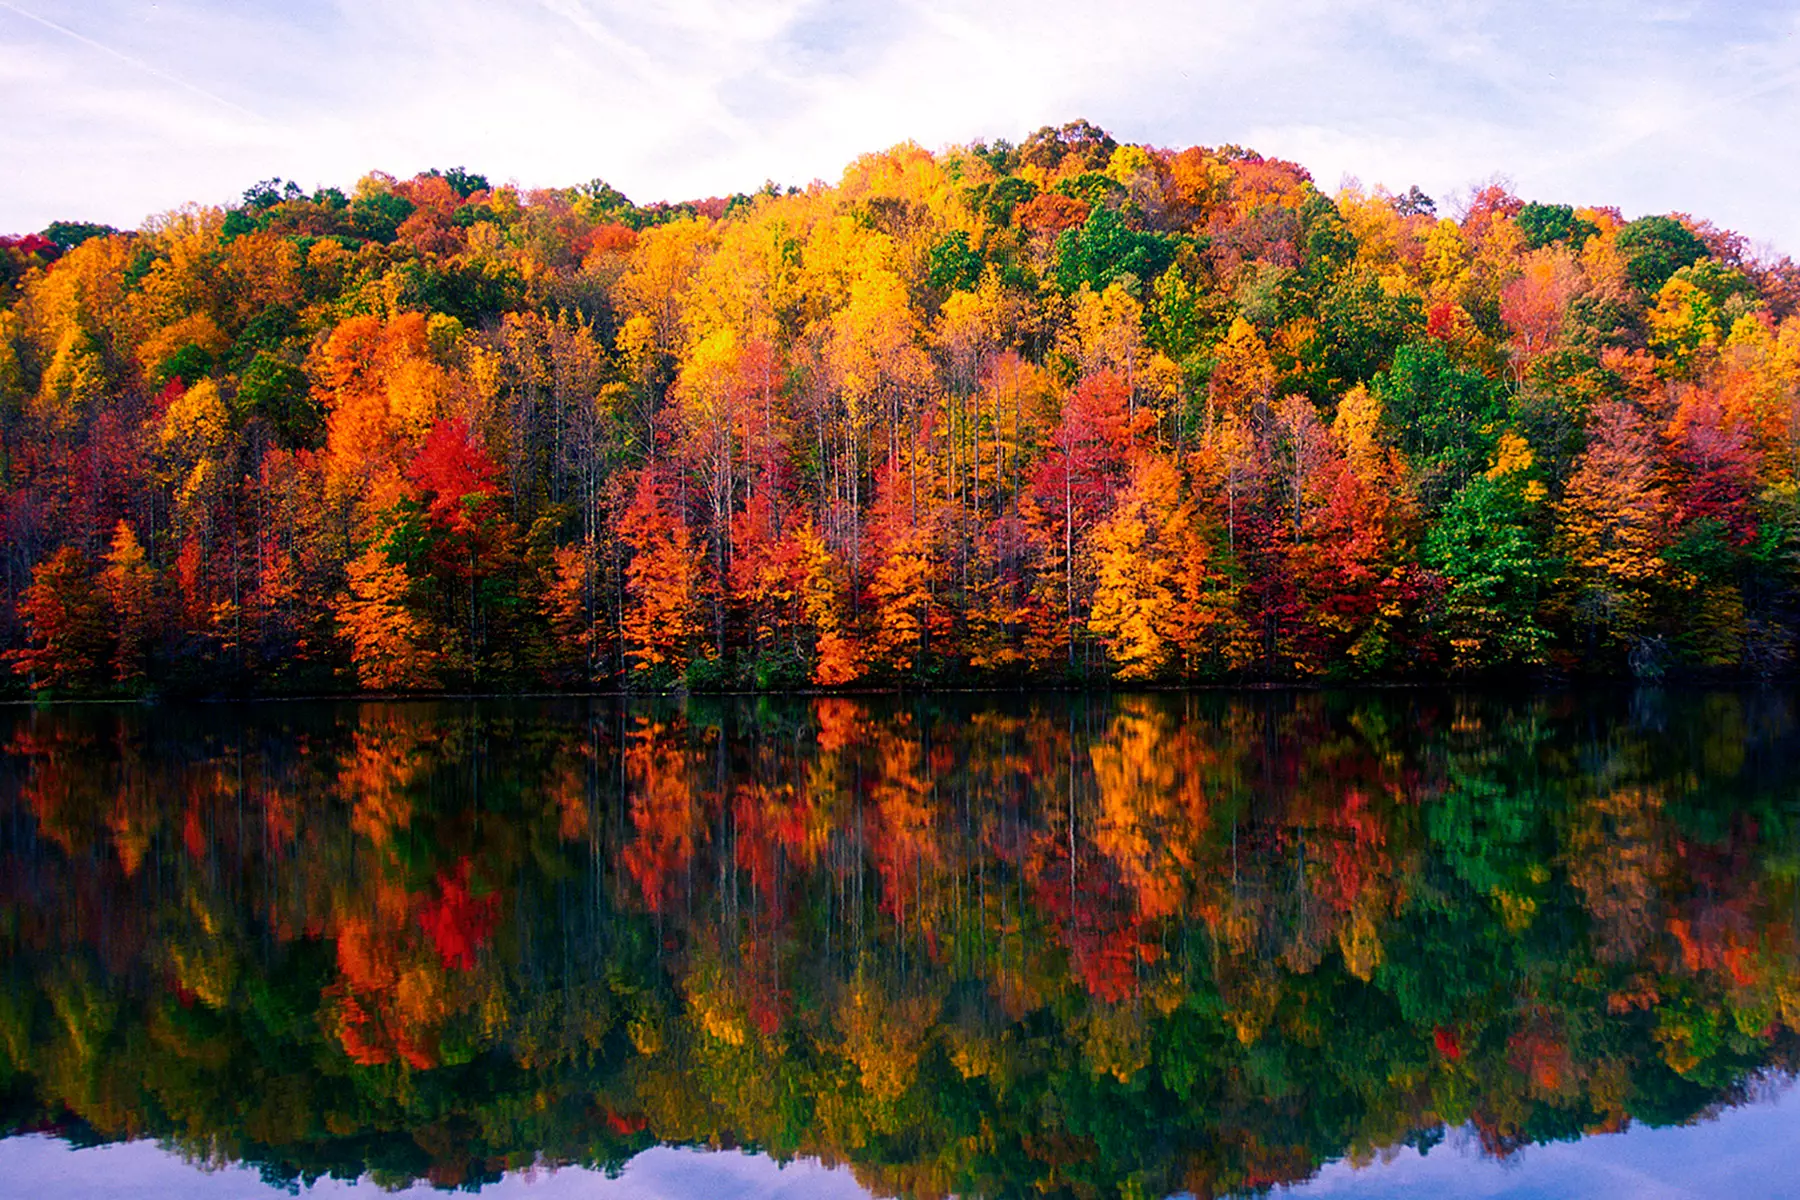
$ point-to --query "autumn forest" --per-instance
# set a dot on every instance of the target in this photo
(1068, 411)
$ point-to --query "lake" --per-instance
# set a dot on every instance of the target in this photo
(1352, 943)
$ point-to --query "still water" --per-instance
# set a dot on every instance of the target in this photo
(1353, 943)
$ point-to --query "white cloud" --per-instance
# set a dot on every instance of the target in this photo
(1685, 108)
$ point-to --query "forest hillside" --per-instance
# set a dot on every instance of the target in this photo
(1067, 411)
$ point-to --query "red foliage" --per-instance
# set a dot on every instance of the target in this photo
(455, 474)
(1096, 917)
(458, 922)
(1716, 464)
(625, 1124)
(1087, 461)
(611, 238)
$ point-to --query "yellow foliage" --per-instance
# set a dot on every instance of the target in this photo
(1107, 332)
(1359, 940)
(1512, 455)
(196, 329)
(1134, 569)
(192, 441)
(72, 387)
(883, 1036)
(1244, 374)
(665, 261)
(388, 642)
(184, 278)
(1446, 260)
(1358, 429)
(1118, 1041)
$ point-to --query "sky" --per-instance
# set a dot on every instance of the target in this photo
(117, 111)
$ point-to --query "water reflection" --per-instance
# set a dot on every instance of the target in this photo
(1129, 945)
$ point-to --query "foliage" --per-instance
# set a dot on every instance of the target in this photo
(1068, 411)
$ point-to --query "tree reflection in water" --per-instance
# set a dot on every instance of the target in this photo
(1083, 945)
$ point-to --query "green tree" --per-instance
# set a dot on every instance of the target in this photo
(954, 266)
(1487, 546)
(1655, 248)
(1442, 415)
(1543, 224)
(1104, 248)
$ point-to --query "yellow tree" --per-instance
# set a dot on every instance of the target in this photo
(838, 656)
(73, 385)
(1243, 376)
(1163, 594)
(129, 583)
(389, 644)
(652, 298)
(1138, 552)
(1612, 522)
(193, 441)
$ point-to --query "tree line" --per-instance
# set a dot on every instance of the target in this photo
(1066, 411)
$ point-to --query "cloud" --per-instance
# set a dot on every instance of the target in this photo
(1744, 1153)
(136, 109)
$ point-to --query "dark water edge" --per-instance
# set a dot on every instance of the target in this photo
(1071, 943)
(1502, 683)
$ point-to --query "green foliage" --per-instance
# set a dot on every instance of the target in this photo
(377, 216)
(1488, 548)
(1173, 320)
(269, 330)
(1001, 156)
(1655, 248)
(1729, 289)
(1104, 248)
(955, 266)
(1444, 416)
(278, 392)
(271, 192)
(996, 201)
(1543, 224)
(188, 366)
(463, 183)
(1360, 327)
(70, 234)
(1330, 246)
(1093, 188)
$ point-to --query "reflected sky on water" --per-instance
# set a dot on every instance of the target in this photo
(1747, 1153)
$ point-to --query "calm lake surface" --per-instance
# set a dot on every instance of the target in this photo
(1370, 943)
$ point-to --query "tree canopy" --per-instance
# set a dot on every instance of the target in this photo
(871, 391)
